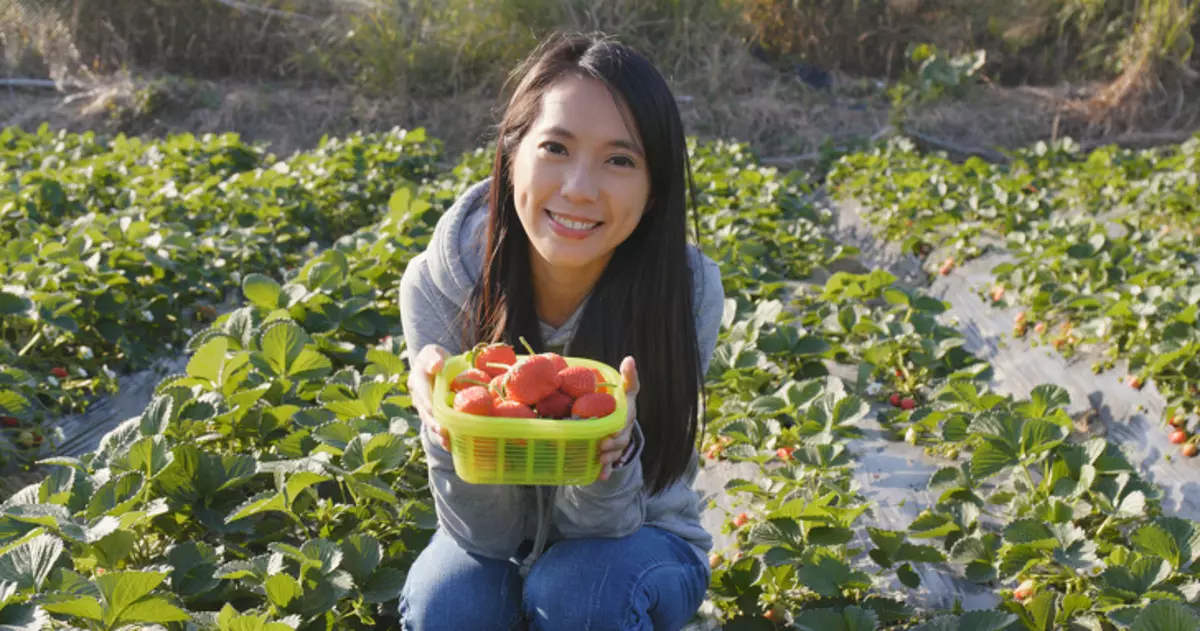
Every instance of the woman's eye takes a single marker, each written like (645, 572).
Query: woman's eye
(623, 161)
(553, 147)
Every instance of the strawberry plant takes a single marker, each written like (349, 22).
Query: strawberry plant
(278, 483)
(1102, 246)
(115, 251)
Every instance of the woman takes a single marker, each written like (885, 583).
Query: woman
(578, 243)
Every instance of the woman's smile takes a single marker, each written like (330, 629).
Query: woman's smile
(571, 227)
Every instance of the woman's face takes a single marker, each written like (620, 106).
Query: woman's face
(580, 179)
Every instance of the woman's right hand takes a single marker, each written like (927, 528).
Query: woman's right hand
(426, 366)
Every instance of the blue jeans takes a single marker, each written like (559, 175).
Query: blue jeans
(648, 581)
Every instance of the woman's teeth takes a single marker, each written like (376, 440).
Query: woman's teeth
(572, 224)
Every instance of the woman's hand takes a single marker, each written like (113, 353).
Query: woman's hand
(612, 447)
(426, 366)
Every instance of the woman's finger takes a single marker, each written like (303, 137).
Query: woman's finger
(629, 376)
(431, 358)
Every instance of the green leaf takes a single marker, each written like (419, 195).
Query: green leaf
(120, 590)
(384, 585)
(361, 555)
(851, 618)
(908, 576)
(209, 360)
(1153, 539)
(115, 497)
(153, 609)
(282, 590)
(1026, 531)
(1166, 615)
(78, 606)
(825, 575)
(28, 564)
(991, 457)
(158, 414)
(261, 290)
(1043, 609)
(981, 620)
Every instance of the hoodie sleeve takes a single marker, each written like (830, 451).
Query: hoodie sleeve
(483, 519)
(616, 507)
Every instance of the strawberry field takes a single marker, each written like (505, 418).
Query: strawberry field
(277, 482)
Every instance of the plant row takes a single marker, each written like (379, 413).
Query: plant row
(114, 251)
(1101, 251)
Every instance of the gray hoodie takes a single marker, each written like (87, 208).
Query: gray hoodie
(493, 520)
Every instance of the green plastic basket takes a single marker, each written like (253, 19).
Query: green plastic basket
(490, 450)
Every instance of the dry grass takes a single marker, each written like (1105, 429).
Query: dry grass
(288, 81)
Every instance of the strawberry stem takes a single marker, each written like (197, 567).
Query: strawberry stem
(526, 345)
(474, 381)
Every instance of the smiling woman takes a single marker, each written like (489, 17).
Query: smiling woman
(576, 243)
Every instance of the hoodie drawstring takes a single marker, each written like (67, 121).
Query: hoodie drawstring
(543, 530)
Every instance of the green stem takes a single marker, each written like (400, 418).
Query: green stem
(34, 340)
(1028, 478)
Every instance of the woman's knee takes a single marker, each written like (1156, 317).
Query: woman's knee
(612, 584)
(448, 588)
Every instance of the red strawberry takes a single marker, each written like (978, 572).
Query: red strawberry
(9, 421)
(740, 520)
(1178, 437)
(560, 364)
(496, 353)
(594, 405)
(514, 409)
(578, 381)
(784, 453)
(474, 400)
(496, 385)
(894, 400)
(556, 405)
(532, 379)
(469, 377)
(907, 404)
(59, 371)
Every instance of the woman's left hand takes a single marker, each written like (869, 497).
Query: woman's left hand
(612, 447)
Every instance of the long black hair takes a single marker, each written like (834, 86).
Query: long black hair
(642, 304)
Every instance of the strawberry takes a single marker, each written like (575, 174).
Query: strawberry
(714, 561)
(59, 371)
(894, 400)
(1188, 450)
(468, 378)
(514, 409)
(496, 385)
(556, 405)
(740, 520)
(1040, 327)
(560, 364)
(594, 405)
(1024, 590)
(1178, 421)
(532, 379)
(1134, 382)
(784, 453)
(601, 381)
(9, 421)
(947, 265)
(997, 293)
(1178, 437)
(907, 404)
(474, 400)
(577, 381)
(487, 356)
